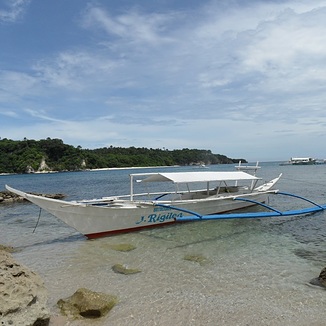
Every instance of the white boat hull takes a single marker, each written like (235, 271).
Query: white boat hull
(96, 221)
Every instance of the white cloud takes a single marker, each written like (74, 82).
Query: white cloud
(190, 79)
(132, 26)
(72, 69)
(15, 86)
(9, 113)
(286, 42)
(14, 10)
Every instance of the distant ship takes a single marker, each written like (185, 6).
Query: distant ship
(300, 161)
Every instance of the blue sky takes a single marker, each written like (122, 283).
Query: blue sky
(241, 78)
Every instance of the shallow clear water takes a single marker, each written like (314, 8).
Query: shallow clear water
(251, 272)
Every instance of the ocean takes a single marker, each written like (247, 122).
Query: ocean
(243, 272)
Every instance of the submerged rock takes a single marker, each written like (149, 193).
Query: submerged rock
(7, 248)
(321, 279)
(87, 304)
(121, 269)
(122, 247)
(23, 296)
(200, 259)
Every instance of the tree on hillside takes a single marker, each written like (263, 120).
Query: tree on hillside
(17, 156)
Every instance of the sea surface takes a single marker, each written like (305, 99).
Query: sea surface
(243, 272)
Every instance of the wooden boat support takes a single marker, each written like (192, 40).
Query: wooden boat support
(300, 197)
(273, 212)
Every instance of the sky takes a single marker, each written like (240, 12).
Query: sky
(246, 79)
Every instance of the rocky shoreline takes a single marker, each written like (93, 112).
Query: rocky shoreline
(9, 197)
(23, 297)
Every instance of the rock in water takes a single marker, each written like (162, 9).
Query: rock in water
(121, 269)
(23, 296)
(87, 304)
(321, 279)
(200, 259)
(123, 247)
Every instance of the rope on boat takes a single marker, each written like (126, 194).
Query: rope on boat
(39, 216)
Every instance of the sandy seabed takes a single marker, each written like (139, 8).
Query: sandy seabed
(243, 279)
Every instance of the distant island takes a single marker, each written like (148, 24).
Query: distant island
(52, 155)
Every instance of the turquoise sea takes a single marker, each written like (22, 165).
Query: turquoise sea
(248, 272)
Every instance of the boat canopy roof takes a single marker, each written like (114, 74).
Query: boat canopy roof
(188, 177)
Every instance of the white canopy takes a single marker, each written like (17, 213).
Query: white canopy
(186, 177)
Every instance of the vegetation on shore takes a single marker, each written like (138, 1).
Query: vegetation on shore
(28, 155)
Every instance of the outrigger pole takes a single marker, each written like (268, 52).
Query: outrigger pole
(194, 216)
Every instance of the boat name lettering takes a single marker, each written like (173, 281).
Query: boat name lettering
(159, 218)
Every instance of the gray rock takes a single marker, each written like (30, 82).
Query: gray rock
(87, 304)
(122, 269)
(23, 296)
(321, 279)
(8, 197)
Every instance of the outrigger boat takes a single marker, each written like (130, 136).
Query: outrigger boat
(224, 192)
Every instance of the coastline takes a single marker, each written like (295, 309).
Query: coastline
(134, 168)
(98, 169)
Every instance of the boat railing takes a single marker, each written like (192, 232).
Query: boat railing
(156, 196)
(177, 195)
